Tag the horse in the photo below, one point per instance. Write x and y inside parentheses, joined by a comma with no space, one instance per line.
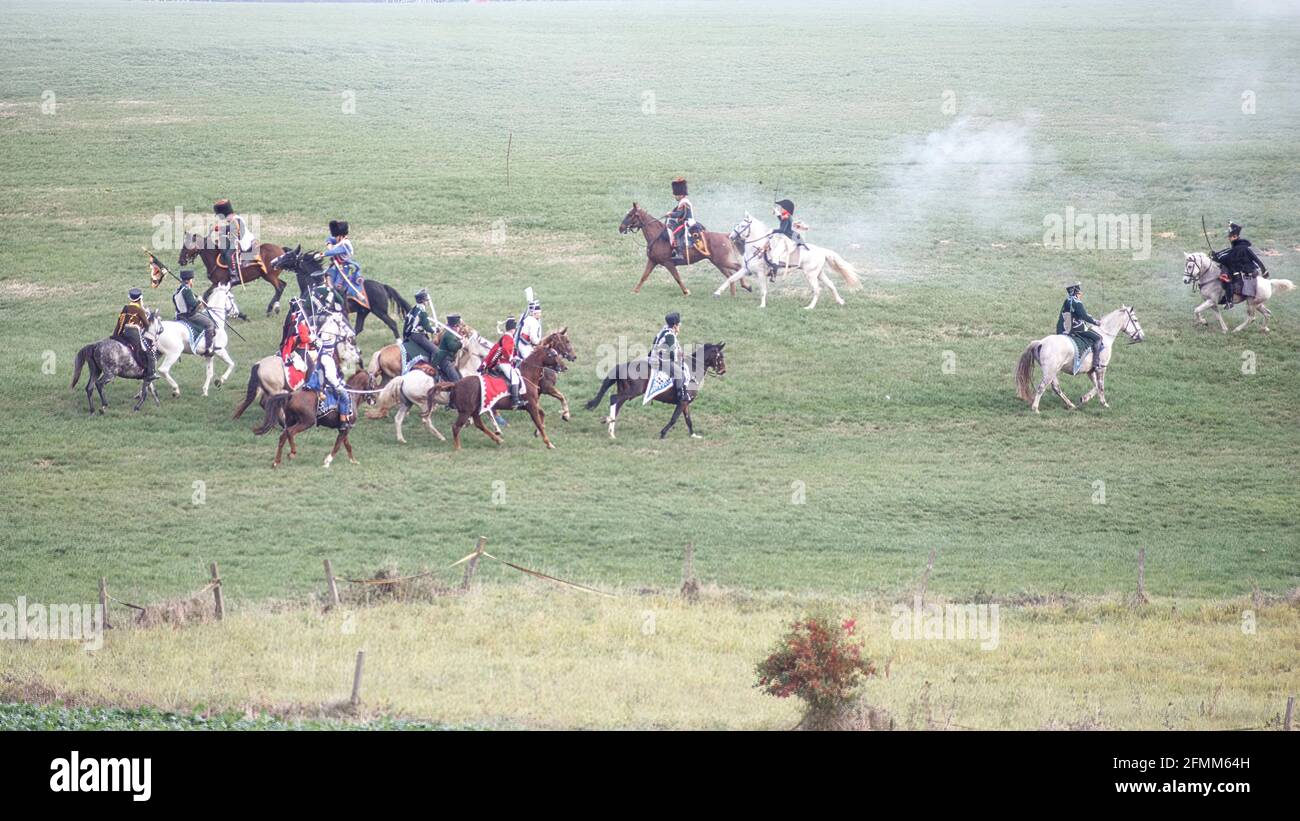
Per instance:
(658,249)
(631,379)
(418,388)
(1054,352)
(308,265)
(110,358)
(774,251)
(267,376)
(175,339)
(386,363)
(261,266)
(1202,273)
(467,394)
(295,412)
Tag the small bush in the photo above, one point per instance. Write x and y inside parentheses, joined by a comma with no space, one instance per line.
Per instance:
(818,661)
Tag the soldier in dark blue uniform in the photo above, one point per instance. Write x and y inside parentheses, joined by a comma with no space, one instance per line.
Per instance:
(1238,260)
(1075,320)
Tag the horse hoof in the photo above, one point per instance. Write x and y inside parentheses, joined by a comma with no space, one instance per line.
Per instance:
(176,392)
(565,416)
(101,410)
(686,292)
(219,382)
(550,446)
(696,436)
(354,461)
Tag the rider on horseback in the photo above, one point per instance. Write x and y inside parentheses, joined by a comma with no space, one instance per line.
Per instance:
(338,250)
(191,309)
(418,326)
(681,219)
(444,360)
(330,378)
(324,298)
(666,352)
(529,332)
(232,237)
(132,323)
(1074,320)
(500,360)
(296,340)
(1236,261)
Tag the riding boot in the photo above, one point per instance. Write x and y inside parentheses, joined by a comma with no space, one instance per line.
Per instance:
(1097,348)
(150,365)
(209,337)
(514,395)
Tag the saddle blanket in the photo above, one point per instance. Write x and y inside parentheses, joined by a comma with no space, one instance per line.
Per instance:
(411,355)
(1082,353)
(491,390)
(195,332)
(354,287)
(326,399)
(295,371)
(659,381)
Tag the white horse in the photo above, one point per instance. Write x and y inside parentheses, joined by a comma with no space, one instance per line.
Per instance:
(767,253)
(1055,352)
(415,389)
(175,340)
(1202,273)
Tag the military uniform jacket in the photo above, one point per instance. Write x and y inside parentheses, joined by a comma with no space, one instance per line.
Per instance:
(417,321)
(1079,317)
(682,212)
(448,347)
(185,301)
(665,349)
(132,314)
(1240,258)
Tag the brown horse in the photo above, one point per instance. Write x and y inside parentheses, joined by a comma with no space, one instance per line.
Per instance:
(630,379)
(659,250)
(467,396)
(296,412)
(250,270)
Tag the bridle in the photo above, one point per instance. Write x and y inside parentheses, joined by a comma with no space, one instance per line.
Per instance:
(1137,334)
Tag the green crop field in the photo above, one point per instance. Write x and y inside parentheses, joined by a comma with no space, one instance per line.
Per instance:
(929,143)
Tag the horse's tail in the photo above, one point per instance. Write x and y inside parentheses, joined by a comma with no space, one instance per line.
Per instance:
(1281,286)
(396,297)
(1025,369)
(385,399)
(274,407)
(604,386)
(254,384)
(82,356)
(841,266)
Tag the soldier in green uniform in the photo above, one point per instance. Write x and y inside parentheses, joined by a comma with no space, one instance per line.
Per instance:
(324,298)
(666,351)
(444,359)
(418,327)
(191,309)
(1075,320)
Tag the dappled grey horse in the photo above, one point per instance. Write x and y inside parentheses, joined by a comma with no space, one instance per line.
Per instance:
(110,358)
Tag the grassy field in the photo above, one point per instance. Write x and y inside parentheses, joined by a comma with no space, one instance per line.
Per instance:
(925,143)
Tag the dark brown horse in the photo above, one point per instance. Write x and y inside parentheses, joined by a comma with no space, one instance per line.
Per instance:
(631,379)
(249,270)
(659,250)
(467,397)
(295,412)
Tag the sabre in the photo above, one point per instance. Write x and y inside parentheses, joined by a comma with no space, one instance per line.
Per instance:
(157,262)
(1207,237)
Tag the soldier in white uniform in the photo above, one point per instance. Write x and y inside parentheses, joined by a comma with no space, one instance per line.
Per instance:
(530,331)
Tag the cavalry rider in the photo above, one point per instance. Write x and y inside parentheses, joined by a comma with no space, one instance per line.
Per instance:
(132,323)
(324,298)
(681,219)
(296,340)
(529,332)
(500,359)
(418,327)
(338,250)
(666,353)
(1237,260)
(330,378)
(1074,320)
(444,360)
(792,228)
(232,237)
(191,309)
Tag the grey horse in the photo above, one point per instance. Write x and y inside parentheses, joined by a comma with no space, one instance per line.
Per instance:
(108,359)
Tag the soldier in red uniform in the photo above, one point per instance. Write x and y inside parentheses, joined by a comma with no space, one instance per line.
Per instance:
(499,360)
(295,343)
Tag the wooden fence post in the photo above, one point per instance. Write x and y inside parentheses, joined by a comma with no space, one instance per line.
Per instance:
(925,577)
(356,678)
(690,585)
(217,599)
(472,566)
(1141,596)
(333,584)
(1290,711)
(103,603)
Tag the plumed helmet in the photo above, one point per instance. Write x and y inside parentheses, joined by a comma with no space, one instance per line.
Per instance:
(679,187)
(785,205)
(338,228)
(510,323)
(422,295)
(135,295)
(1234,230)
(187,275)
(1074,288)
(453,320)
(223,208)
(673,319)
(535,305)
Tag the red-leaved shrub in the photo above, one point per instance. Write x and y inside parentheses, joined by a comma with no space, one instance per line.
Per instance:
(820,662)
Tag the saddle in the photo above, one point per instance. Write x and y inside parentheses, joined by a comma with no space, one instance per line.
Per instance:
(412,355)
(251,261)
(1082,350)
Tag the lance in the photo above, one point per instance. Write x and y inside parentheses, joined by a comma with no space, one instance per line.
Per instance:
(1204,231)
(153,260)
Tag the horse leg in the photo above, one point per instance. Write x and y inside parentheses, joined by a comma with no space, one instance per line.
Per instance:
(427,416)
(1096,387)
(690,427)
(564,402)
(1101,388)
(816,289)
(672,269)
(1250,317)
(208,380)
(1042,387)
(401,415)
(361,319)
(649,266)
(829,284)
(166,370)
(1056,388)
(392,326)
(478,423)
(672,420)
(461,419)
(347,445)
(539,422)
(612,419)
(230,366)
(100,381)
(274,305)
(284,436)
(730,280)
(338,440)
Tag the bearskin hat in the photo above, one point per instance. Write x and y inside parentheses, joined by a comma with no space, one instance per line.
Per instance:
(1074,288)
(673,319)
(679,187)
(187,275)
(1234,230)
(510,323)
(338,228)
(223,208)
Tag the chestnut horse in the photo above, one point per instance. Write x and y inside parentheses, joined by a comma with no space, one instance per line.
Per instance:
(250,270)
(467,395)
(295,412)
(659,251)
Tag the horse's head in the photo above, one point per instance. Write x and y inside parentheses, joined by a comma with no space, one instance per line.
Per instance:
(631,220)
(287,260)
(154,320)
(743,230)
(554,361)
(714,359)
(558,341)
(190,247)
(1131,326)
(1197,264)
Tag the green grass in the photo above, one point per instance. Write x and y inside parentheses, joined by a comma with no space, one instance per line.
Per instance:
(1121,108)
